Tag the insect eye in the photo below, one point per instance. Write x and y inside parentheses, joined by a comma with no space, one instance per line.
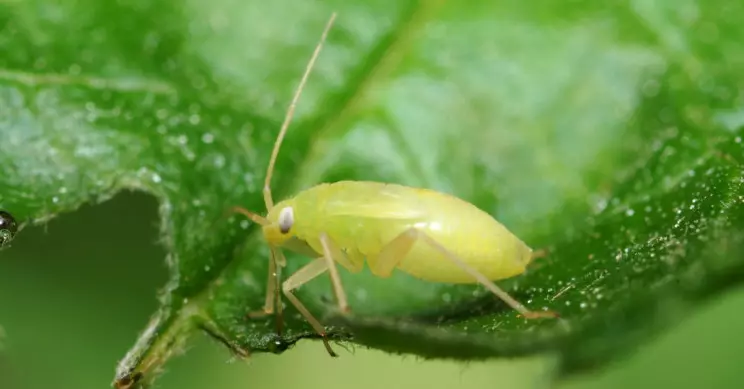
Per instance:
(286,219)
(8,228)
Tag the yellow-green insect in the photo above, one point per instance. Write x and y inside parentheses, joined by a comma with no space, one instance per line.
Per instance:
(430,235)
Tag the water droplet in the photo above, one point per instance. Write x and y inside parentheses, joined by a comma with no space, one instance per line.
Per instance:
(156,178)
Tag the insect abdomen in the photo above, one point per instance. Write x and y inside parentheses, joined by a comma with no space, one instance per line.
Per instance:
(362,217)
(473,236)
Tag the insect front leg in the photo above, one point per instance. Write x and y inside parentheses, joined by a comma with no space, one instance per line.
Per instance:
(395,251)
(273,298)
(271,288)
(268,307)
(299,278)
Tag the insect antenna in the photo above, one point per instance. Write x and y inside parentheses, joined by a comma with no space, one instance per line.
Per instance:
(290,113)
(256,218)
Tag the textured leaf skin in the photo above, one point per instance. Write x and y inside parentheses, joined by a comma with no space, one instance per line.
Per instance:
(609,134)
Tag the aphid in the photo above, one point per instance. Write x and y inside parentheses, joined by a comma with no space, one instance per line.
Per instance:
(430,235)
(8,228)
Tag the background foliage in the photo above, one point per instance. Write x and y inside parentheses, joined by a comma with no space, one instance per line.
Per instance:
(609,134)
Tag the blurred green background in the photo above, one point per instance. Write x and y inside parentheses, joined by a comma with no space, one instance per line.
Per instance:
(75,294)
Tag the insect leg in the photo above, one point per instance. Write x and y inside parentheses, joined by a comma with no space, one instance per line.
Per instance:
(273,297)
(300,277)
(279,262)
(402,244)
(393,253)
(271,287)
(331,252)
(339,256)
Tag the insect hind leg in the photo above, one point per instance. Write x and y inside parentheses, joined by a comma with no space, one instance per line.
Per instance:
(396,250)
(393,253)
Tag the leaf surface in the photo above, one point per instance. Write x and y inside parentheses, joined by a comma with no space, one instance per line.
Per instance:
(610,135)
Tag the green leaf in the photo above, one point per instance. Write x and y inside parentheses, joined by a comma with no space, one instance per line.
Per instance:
(609,134)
